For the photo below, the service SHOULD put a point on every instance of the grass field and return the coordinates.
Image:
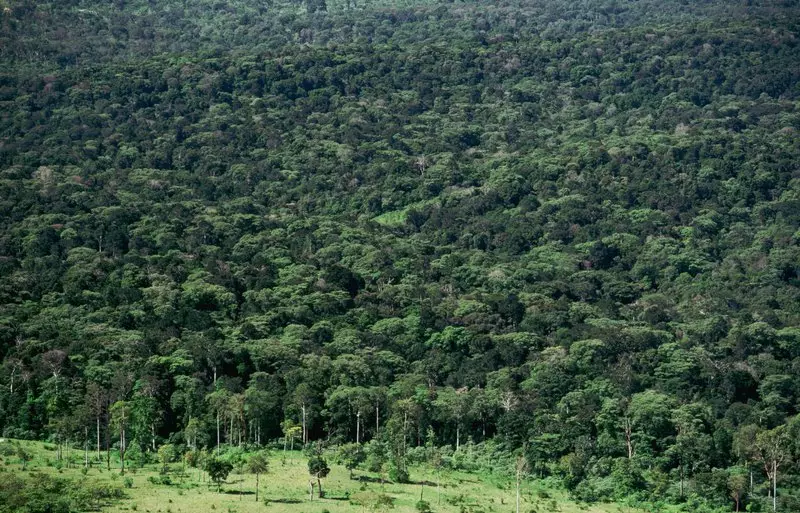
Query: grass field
(285, 489)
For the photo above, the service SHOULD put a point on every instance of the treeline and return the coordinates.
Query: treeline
(445, 224)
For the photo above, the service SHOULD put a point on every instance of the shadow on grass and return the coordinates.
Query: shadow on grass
(237, 492)
(424, 483)
(337, 497)
(369, 479)
(285, 501)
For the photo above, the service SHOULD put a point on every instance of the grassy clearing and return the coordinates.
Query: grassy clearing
(285, 489)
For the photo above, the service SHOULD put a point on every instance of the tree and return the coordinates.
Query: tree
(191, 431)
(290, 433)
(352, 455)
(167, 454)
(96, 397)
(435, 459)
(520, 470)
(258, 464)
(220, 402)
(773, 448)
(120, 414)
(737, 485)
(24, 456)
(217, 470)
(318, 469)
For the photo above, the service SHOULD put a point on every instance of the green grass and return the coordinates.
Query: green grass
(398, 217)
(285, 488)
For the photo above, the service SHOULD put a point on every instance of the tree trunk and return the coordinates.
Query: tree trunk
(628, 428)
(377, 420)
(774, 486)
(358, 426)
(217, 424)
(86, 446)
(321, 493)
(99, 456)
(108, 443)
(458, 436)
(310, 490)
(153, 436)
(518, 494)
(305, 433)
(256, 486)
(122, 450)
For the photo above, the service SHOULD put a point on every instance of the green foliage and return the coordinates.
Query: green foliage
(43, 493)
(318, 467)
(217, 470)
(564, 226)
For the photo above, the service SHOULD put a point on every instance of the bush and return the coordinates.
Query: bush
(423, 506)
(398, 474)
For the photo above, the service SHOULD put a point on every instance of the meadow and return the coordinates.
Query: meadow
(284, 488)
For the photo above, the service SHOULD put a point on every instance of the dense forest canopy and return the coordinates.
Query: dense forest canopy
(565, 227)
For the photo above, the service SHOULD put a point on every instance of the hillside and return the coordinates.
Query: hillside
(568, 230)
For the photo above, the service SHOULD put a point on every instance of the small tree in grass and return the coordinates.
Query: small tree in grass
(167, 454)
(218, 470)
(24, 456)
(351, 455)
(258, 464)
(520, 470)
(318, 469)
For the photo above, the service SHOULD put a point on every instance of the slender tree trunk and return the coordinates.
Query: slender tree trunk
(217, 426)
(518, 494)
(311, 490)
(358, 426)
(405, 422)
(628, 442)
(256, 486)
(377, 420)
(86, 446)
(321, 493)
(305, 433)
(122, 450)
(99, 456)
(108, 443)
(774, 486)
(458, 436)
(153, 436)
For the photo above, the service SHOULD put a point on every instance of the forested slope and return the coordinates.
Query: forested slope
(568, 227)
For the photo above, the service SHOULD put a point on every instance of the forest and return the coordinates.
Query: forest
(558, 235)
